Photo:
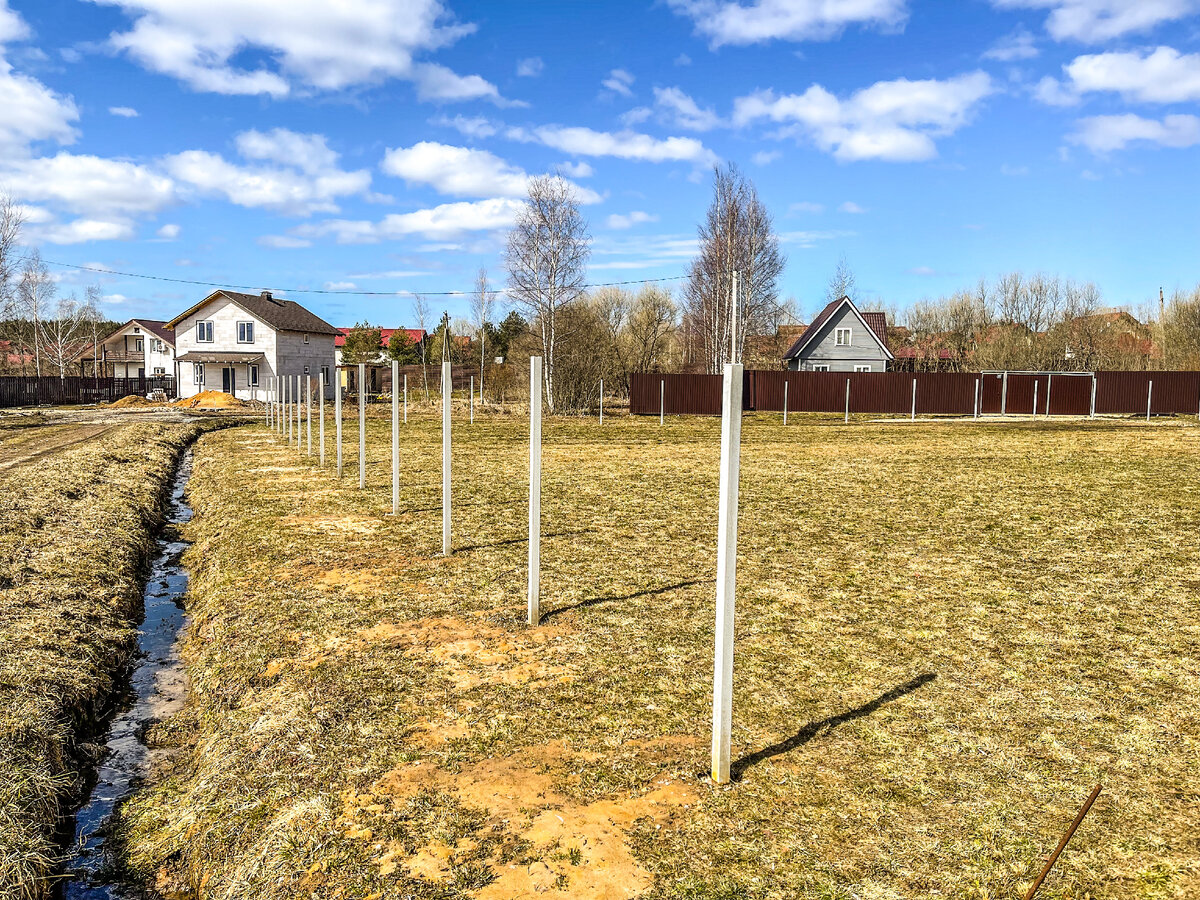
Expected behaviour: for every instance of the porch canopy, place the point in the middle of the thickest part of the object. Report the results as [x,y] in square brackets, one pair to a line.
[220,358]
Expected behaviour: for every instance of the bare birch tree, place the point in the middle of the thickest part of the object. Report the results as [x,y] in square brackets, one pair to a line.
[421,313]
[482,302]
[61,336]
[11,221]
[36,291]
[546,259]
[842,283]
[737,235]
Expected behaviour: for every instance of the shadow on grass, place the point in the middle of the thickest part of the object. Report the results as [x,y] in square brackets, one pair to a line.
[523,540]
[595,601]
[813,729]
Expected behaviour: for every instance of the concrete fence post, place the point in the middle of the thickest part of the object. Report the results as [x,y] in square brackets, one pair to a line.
[446,386]
[287,408]
[299,410]
[321,428]
[978,395]
[785,399]
[847,419]
[662,400]
[913,418]
[395,440]
[1035,387]
[337,418]
[727,524]
[535,488]
[362,425]
[601,401]
[1092,402]
[1049,386]
[405,398]
[471,401]
[308,411]
[1149,394]
[1004,396]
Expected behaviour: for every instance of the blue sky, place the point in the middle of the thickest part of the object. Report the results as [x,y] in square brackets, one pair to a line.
[383,145]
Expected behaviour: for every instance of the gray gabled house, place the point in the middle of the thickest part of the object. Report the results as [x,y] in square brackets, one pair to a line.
[841,339]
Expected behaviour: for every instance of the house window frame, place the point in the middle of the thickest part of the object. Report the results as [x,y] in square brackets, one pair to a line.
[820,367]
[306,370]
[244,329]
[139,346]
[205,332]
[253,376]
[325,373]
[865,367]
[198,373]
[837,336]
[160,372]
[305,338]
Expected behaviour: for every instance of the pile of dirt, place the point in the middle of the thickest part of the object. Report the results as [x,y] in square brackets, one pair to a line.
[133,400]
[211,400]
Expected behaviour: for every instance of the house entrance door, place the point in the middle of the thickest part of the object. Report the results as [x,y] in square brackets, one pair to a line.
[228,384]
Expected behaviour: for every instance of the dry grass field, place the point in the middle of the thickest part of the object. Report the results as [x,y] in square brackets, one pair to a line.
[947,633]
[78,509]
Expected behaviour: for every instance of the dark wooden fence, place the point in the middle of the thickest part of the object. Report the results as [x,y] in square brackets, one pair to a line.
[937,393]
[49,390]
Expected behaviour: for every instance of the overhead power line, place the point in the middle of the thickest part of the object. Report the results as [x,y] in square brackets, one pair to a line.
[244,287]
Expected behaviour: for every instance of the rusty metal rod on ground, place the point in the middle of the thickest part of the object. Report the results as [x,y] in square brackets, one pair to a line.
[1063,843]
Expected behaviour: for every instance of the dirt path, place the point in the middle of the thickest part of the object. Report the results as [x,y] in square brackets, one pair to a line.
[31,444]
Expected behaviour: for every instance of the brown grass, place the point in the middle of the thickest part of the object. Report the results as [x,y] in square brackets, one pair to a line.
[74,529]
[945,636]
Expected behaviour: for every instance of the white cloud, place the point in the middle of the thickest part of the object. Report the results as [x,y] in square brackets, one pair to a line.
[438,223]
[724,22]
[169,232]
[806,206]
[642,251]
[340,286]
[1163,75]
[463,172]
[683,111]
[283,242]
[90,186]
[470,126]
[81,231]
[765,157]
[852,208]
[1103,134]
[636,116]
[310,43]
[580,141]
[32,112]
[12,26]
[114,299]
[622,222]
[530,68]
[1094,21]
[891,120]
[125,112]
[683,60]
[302,175]
[1016,46]
[923,271]
[807,239]
[619,82]
[576,169]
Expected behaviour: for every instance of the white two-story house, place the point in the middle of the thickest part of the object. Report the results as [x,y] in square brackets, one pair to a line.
[141,348]
[239,343]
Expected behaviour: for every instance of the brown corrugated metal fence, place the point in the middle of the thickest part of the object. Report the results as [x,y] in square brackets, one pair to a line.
[937,393]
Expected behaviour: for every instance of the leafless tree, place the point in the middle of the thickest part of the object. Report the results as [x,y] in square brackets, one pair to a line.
[421,314]
[842,283]
[736,236]
[11,221]
[482,302]
[62,336]
[652,324]
[36,291]
[92,318]
[546,259]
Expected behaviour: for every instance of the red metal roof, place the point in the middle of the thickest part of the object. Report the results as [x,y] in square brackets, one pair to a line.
[416,335]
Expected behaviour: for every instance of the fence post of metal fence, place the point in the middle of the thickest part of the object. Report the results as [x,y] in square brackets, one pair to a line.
[978,395]
[446,387]
[1049,385]
[471,401]
[1149,394]
[535,489]
[847,420]
[321,427]
[362,425]
[405,398]
[785,399]
[662,400]
[287,408]
[1035,387]
[337,418]
[914,402]
[601,401]
[296,408]
[1092,402]
[1004,396]
[308,412]
[395,440]
[727,522]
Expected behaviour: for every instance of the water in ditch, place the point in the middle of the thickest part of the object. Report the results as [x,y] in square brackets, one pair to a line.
[156,690]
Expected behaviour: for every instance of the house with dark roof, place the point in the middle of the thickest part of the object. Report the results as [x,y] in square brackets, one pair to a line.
[141,348]
[240,343]
[841,339]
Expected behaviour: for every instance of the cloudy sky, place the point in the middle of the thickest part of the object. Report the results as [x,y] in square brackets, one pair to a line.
[382,145]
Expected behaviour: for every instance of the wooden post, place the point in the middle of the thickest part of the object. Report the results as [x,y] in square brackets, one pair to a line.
[1035,387]
[535,488]
[308,410]
[362,425]
[1049,385]
[321,404]
[727,524]
[446,458]
[395,440]
[847,421]
[337,417]
[1092,405]
[471,402]
[1149,394]
[785,399]
[662,400]
[1004,396]
[914,401]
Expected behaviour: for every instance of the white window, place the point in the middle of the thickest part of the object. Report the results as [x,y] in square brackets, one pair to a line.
[325,373]
[137,330]
[306,339]
[818,367]
[156,346]
[159,370]
[862,368]
[245,332]
[198,369]
[137,345]
[254,376]
[204,334]
[306,370]
[841,337]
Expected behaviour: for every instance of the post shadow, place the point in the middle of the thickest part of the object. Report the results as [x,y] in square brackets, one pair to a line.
[514,541]
[595,601]
[813,729]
